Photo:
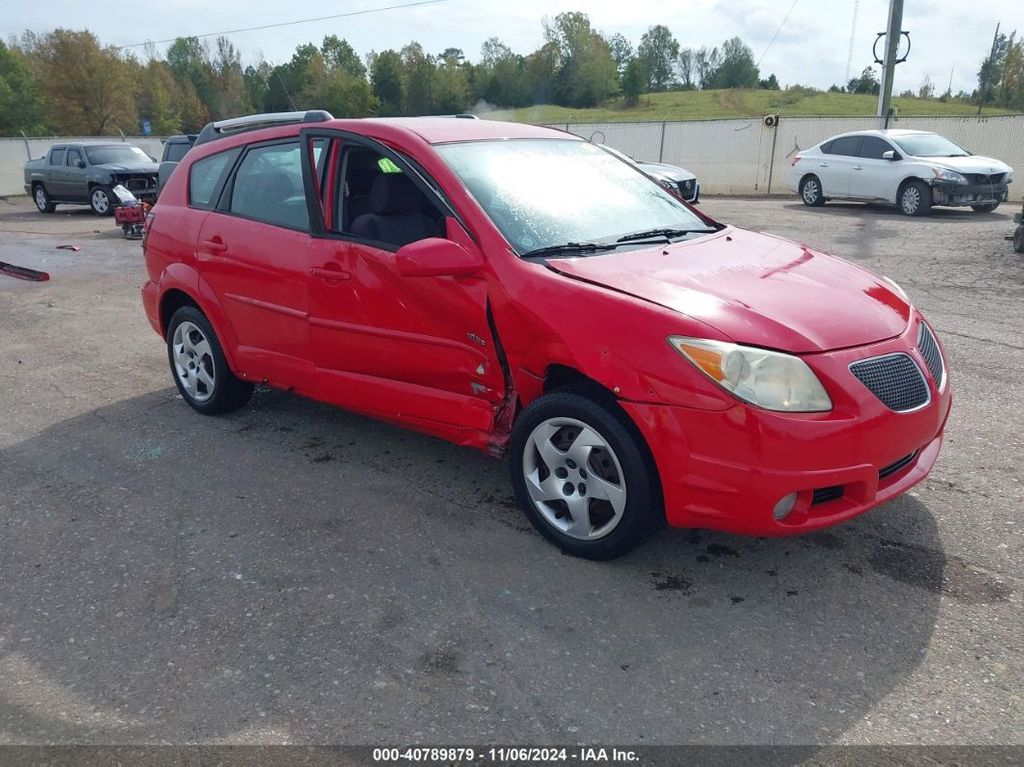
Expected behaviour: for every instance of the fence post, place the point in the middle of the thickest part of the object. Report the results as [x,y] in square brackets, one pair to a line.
[661,149]
[771,161]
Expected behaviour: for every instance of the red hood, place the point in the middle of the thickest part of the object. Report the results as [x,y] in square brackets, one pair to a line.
[756,289]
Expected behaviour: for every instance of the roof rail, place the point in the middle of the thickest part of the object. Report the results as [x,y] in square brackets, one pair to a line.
[219,128]
[467,116]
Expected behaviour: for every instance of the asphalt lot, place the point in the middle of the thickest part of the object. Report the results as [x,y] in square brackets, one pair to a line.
[293,573]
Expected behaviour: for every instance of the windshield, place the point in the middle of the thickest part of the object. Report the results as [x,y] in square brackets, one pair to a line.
[115,155]
[929,145]
[545,192]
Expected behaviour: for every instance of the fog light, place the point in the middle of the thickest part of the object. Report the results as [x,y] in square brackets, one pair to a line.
[784,506]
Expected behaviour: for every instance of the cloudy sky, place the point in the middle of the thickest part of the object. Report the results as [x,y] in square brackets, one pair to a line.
[949,36]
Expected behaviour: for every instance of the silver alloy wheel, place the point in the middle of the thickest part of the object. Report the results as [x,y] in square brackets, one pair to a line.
[574,478]
[41,198]
[100,201]
[193,361]
[811,191]
[911,200]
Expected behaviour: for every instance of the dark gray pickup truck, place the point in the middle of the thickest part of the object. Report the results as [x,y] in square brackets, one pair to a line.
[86,173]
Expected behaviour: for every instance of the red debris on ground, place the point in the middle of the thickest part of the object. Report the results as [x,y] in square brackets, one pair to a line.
[23,273]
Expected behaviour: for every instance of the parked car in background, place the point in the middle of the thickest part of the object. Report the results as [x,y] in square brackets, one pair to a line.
[85,174]
[175,148]
[673,178]
[521,291]
[910,169]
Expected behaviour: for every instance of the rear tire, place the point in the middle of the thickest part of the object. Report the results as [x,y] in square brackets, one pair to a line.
[988,208]
[811,192]
[42,199]
[199,367]
[582,474]
[101,201]
[915,199]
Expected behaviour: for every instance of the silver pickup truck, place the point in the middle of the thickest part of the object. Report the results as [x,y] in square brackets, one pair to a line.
[85,174]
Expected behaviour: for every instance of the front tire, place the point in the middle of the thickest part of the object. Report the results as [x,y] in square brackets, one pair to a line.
[199,367]
[581,472]
[42,199]
[915,199]
[811,192]
[987,208]
[101,201]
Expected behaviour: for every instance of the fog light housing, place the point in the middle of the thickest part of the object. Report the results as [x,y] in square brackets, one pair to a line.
[784,506]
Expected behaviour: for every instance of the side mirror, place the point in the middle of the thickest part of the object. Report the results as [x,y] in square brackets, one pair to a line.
[890,155]
[436,257]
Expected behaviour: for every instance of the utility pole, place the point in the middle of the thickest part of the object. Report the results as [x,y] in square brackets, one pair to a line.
[892,44]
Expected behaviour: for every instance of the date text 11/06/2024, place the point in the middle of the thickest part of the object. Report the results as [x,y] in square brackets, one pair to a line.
[502,754]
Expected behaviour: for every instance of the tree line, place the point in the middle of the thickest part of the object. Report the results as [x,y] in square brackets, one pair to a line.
[67,82]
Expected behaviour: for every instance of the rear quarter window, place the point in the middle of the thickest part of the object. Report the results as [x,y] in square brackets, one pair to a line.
[845,145]
[206,178]
[57,156]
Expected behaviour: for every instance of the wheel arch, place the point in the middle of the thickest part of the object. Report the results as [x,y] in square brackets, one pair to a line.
[180,285]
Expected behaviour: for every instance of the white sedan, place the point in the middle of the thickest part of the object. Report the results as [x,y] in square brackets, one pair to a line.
[910,169]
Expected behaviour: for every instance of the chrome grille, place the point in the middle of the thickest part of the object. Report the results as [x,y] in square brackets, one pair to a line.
[895,379]
[686,188]
[929,348]
[984,178]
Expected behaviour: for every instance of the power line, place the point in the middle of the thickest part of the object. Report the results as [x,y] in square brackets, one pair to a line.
[777,31]
[289,23]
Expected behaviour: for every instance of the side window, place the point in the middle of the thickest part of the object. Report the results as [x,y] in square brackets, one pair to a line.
[205,178]
[379,202]
[268,186]
[73,157]
[826,148]
[847,145]
[871,147]
[57,156]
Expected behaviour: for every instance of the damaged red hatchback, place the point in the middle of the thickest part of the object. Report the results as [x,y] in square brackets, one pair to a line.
[525,292]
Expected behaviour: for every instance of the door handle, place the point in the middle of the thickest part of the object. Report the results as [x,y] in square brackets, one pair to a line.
[330,276]
[858,167]
[214,246]
[822,164]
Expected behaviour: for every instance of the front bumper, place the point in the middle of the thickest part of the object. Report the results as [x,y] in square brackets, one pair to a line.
[946,193]
[726,470]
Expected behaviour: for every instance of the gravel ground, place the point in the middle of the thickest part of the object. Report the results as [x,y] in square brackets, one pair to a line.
[293,573]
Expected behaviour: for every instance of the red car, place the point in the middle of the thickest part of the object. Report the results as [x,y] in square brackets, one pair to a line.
[521,291]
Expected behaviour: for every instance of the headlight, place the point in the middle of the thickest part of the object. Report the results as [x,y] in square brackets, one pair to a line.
[771,380]
[945,174]
[1008,177]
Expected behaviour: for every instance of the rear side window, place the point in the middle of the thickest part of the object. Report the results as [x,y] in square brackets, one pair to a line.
[846,145]
[57,157]
[871,147]
[206,176]
[268,186]
[175,151]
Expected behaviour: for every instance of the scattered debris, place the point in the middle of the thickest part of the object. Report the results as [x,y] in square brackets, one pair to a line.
[23,273]
[75,248]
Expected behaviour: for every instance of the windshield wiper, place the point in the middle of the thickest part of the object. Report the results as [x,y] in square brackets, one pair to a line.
[665,233]
[568,248]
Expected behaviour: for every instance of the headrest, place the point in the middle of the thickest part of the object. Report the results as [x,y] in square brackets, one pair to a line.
[394,193]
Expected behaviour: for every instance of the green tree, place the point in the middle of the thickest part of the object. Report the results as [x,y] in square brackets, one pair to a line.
[687,68]
[866,82]
[706,62]
[657,53]
[634,80]
[622,51]
[771,84]
[21,105]
[451,82]
[88,89]
[386,71]
[737,68]
[189,60]
[160,99]
[340,55]
[587,73]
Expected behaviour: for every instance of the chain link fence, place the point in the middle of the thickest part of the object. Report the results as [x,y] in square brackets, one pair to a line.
[749,157]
